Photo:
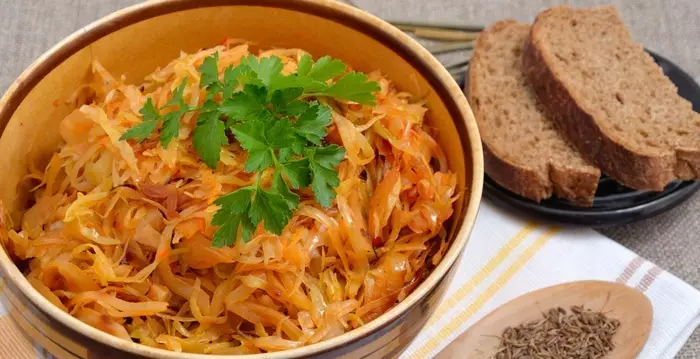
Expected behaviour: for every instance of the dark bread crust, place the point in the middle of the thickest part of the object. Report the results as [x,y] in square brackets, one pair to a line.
[576,186]
[632,169]
[688,164]
[520,180]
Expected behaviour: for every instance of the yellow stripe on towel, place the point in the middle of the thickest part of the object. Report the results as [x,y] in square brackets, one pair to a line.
[498,284]
[484,273]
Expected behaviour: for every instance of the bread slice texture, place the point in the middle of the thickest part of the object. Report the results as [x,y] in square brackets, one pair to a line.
[523,151]
[610,99]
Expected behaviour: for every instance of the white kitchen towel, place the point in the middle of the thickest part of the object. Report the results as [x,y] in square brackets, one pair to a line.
[507,256]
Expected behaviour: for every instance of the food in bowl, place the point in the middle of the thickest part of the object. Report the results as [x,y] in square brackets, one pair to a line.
[234,203]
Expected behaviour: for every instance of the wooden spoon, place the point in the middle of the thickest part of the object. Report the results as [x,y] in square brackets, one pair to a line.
[628,305]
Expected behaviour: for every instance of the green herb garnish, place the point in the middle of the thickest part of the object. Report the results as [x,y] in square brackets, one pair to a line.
[152,116]
[275,119]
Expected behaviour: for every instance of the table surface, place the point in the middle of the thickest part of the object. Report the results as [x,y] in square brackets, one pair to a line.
[668,27]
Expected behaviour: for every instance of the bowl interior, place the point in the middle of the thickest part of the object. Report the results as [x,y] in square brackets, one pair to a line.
[135,41]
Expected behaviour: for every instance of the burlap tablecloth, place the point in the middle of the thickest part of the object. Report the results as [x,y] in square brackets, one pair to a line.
[669,27]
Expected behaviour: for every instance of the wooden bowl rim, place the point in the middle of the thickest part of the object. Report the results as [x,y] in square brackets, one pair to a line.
[341,13]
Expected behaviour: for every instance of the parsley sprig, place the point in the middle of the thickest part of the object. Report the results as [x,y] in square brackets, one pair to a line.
[153,116]
[277,120]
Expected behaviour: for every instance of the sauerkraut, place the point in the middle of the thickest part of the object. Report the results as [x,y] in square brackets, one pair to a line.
[118,233]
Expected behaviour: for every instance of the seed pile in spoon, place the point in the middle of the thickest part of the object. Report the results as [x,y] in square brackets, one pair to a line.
[580,334]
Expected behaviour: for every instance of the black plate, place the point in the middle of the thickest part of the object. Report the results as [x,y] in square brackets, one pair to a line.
[614,204]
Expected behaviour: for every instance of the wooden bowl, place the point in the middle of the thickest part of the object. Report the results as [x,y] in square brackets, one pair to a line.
[135,41]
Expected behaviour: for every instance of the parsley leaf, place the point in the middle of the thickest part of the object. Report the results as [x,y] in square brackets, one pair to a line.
[171,127]
[297,172]
[305,64]
[310,77]
[281,82]
[248,77]
[265,68]
[312,124]
[247,104]
[323,184]
[141,131]
[209,73]
[171,121]
[272,209]
[251,136]
[208,137]
[232,215]
[328,156]
[177,100]
[285,154]
[281,134]
[236,201]
[261,139]
[149,111]
[152,116]
[352,87]
[326,68]
[285,101]
[228,229]
[210,77]
[280,187]
[324,178]
[229,225]
[248,206]
[231,75]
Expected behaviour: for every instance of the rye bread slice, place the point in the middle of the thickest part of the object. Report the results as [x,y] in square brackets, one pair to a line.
[610,98]
[523,151]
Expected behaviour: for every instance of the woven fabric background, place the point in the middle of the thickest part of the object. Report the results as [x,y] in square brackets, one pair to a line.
[669,27]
